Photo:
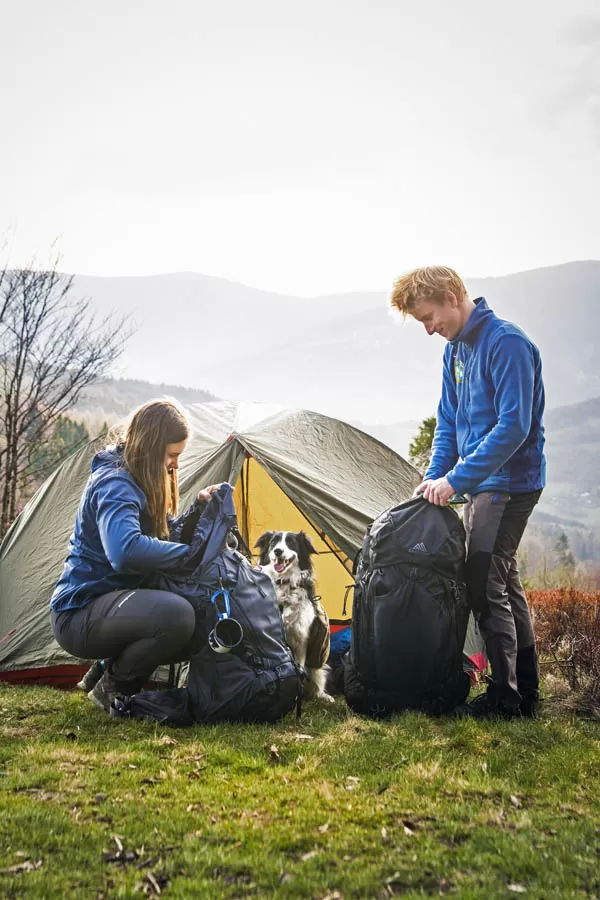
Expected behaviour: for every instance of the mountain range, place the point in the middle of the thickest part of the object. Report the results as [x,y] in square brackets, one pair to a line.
[348,356]
[345,355]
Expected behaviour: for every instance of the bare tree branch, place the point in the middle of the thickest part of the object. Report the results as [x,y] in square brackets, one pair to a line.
[51,349]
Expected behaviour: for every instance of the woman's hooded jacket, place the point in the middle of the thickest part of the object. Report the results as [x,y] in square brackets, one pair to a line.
[111,547]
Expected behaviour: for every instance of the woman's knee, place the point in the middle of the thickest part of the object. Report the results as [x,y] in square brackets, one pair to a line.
[174,617]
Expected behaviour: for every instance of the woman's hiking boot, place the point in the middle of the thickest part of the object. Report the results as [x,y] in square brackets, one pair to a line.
[100,696]
[92,676]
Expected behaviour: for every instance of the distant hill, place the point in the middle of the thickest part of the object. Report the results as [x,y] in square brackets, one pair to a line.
[571,501]
[344,354]
[114,398]
[185,323]
[572,451]
[573,442]
[361,364]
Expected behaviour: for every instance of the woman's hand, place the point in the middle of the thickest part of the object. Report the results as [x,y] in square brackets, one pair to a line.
[206,493]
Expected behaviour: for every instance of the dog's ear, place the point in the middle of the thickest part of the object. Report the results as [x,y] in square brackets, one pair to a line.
[264,539]
[306,549]
[306,542]
[263,544]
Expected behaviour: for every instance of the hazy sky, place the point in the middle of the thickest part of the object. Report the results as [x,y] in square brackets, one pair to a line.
[304,147]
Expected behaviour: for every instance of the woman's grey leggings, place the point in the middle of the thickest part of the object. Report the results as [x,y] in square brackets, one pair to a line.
[134,631]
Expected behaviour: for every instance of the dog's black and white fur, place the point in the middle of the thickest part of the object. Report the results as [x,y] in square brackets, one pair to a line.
[285,558]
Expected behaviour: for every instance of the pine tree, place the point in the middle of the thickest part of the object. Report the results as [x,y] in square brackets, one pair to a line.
[66,437]
[419,449]
[563,552]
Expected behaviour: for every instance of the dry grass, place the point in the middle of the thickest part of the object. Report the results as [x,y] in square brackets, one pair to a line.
[567,628]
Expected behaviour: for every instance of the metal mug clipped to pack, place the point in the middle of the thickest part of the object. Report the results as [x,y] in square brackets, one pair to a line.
[227,633]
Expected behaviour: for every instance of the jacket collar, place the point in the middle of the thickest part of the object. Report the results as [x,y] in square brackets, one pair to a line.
[110,457]
[480,315]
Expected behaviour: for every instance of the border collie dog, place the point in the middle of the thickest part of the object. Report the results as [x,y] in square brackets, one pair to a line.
[285,558]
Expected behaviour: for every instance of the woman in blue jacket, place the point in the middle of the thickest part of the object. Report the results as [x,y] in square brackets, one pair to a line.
[121,534]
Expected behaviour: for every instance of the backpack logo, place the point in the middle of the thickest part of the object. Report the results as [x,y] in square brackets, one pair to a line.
[419,548]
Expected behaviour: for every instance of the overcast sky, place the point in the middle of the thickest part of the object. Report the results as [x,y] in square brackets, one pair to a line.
[305,147]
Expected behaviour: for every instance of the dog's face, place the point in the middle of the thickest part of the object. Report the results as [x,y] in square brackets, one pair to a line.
[285,551]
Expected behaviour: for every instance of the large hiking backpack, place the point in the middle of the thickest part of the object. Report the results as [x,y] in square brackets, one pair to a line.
[258,680]
[410,613]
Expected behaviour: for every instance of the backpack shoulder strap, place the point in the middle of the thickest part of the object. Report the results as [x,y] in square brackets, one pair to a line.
[217,519]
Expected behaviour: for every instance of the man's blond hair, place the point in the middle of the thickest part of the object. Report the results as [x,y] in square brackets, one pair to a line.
[427,283]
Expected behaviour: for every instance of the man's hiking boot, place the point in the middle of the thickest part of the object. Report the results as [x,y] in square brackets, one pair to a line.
[530,707]
[485,707]
[92,676]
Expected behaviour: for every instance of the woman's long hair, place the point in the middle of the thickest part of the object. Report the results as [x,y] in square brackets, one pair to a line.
[151,428]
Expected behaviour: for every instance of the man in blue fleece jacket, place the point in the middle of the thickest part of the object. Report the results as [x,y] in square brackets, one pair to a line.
[488,444]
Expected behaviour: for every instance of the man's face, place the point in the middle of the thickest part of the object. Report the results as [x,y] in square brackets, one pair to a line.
[443,317]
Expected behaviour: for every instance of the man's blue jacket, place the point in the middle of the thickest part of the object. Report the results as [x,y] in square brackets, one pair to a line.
[489,434]
[110,548]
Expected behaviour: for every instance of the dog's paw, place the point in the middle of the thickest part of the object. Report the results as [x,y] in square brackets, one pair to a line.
[325,697]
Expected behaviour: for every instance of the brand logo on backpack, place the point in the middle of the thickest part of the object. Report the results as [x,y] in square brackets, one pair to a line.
[419,548]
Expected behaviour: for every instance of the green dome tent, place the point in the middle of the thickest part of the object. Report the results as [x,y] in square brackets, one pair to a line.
[292,469]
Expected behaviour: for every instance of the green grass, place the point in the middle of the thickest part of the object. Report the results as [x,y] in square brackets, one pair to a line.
[334,806]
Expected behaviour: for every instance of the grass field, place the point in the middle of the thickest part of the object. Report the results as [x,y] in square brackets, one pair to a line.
[332,806]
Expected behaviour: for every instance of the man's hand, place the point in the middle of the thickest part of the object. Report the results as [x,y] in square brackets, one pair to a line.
[437,491]
[206,493]
[420,488]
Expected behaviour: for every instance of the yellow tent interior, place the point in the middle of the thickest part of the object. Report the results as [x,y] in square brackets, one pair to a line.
[262,506]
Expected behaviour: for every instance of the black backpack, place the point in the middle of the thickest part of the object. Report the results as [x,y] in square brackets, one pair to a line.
[410,613]
[257,680]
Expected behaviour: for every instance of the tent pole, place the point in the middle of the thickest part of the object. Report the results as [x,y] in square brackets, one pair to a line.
[324,538]
[245,478]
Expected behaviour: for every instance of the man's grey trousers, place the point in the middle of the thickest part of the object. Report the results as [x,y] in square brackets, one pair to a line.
[495,523]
